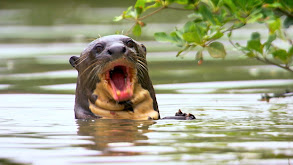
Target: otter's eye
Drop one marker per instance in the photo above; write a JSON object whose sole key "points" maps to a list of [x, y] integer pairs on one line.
{"points": [[99, 48], [130, 43]]}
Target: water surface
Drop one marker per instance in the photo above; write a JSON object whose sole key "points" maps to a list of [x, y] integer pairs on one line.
{"points": [[229, 129], [37, 84]]}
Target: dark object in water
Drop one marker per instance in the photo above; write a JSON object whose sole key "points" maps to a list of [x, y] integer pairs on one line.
{"points": [[181, 116], [266, 97]]}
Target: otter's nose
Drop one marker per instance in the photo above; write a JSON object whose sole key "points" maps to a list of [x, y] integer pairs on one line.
{"points": [[116, 49]]}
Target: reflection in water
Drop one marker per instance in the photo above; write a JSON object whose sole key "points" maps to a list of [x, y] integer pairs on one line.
{"points": [[108, 132], [230, 129], [40, 129]]}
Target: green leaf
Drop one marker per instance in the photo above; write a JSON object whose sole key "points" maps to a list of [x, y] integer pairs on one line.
{"points": [[238, 45], [139, 7], [138, 11], [149, 1], [255, 36], [118, 18], [254, 43], [162, 37], [274, 25], [215, 2], [221, 16], [268, 43], [199, 55], [195, 16], [275, 5], [255, 18], [216, 50], [182, 2], [216, 35], [287, 4], [127, 10], [140, 4], [241, 4], [242, 48], [290, 51], [282, 55], [129, 13], [189, 26], [290, 54], [250, 54], [136, 30], [174, 38], [192, 37], [155, 5], [231, 5], [207, 14], [194, 32], [182, 50], [288, 22], [229, 34]]}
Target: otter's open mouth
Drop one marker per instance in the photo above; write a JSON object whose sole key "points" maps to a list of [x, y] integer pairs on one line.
{"points": [[120, 79]]}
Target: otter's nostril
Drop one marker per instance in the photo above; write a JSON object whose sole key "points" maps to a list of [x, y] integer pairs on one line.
{"points": [[116, 49], [123, 49], [109, 52]]}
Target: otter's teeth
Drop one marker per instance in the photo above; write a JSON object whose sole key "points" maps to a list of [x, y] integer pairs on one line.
{"points": [[118, 92], [111, 71]]}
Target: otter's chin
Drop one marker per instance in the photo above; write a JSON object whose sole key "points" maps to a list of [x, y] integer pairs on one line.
{"points": [[120, 77]]}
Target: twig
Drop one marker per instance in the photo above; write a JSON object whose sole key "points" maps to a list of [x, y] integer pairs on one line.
{"points": [[176, 8], [232, 43], [231, 28], [150, 14], [141, 18], [286, 35], [227, 30], [154, 12], [285, 12], [129, 30], [265, 60]]}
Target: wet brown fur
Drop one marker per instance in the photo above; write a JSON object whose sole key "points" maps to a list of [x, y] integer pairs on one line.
{"points": [[91, 64]]}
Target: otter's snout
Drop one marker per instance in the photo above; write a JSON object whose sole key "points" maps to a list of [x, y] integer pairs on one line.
{"points": [[116, 49]]}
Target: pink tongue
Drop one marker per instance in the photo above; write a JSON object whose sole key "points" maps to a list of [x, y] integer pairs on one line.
{"points": [[118, 80]]}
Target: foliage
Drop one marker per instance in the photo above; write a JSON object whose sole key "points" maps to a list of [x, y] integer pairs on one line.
{"points": [[213, 19]]}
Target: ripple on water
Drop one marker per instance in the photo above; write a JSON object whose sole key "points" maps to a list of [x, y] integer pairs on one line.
{"points": [[230, 129]]}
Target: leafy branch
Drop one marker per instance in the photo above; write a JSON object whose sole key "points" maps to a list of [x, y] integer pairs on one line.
{"points": [[212, 19]]}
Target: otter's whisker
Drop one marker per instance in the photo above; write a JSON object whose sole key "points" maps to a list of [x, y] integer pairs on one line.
{"points": [[143, 65], [81, 60], [92, 76]]}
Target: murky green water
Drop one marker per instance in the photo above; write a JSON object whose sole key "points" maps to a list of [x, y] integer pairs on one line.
{"points": [[37, 124], [230, 129]]}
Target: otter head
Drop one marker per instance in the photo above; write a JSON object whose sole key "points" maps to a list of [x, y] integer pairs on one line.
{"points": [[113, 80]]}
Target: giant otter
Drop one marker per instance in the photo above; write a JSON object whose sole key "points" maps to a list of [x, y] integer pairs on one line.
{"points": [[113, 81]]}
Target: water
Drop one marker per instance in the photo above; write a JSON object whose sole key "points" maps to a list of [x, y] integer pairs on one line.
{"points": [[37, 84], [229, 129]]}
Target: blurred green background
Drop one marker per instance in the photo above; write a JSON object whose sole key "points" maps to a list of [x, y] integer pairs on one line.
{"points": [[38, 37]]}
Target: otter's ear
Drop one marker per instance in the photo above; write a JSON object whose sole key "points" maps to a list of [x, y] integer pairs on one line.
{"points": [[73, 61]]}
